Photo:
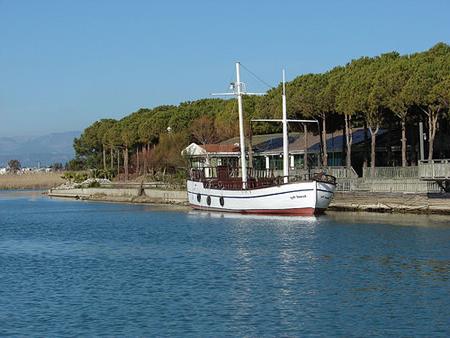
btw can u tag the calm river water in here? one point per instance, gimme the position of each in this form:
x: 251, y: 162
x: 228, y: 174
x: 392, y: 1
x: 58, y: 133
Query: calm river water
x: 73, y: 268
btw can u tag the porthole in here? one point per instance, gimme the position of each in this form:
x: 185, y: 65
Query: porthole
x: 199, y: 198
x: 208, y: 200
x: 221, y: 201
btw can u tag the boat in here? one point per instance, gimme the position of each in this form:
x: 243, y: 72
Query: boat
x: 241, y: 190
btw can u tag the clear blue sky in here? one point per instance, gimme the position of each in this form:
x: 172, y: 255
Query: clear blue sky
x: 65, y: 64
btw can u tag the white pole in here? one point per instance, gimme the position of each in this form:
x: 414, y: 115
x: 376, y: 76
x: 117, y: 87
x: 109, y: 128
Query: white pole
x: 285, y: 136
x: 241, y: 127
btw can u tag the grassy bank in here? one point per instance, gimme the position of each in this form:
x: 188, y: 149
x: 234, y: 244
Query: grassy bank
x: 30, y: 181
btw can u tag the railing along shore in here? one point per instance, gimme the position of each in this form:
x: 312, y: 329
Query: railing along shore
x: 434, y: 169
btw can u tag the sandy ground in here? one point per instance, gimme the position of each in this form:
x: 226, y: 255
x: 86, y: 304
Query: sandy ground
x: 30, y: 181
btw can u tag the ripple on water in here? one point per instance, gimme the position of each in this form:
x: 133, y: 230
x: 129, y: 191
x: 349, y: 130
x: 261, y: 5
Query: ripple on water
x: 74, y: 268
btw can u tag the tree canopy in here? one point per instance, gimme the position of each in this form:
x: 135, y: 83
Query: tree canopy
x: 364, y: 92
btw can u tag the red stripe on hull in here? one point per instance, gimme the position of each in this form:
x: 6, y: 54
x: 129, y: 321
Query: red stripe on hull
x: 293, y: 212
x: 287, y: 212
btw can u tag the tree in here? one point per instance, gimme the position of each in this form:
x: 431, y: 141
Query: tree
x: 104, y: 126
x: 128, y: 137
x: 225, y: 121
x: 147, y: 136
x: 112, y: 140
x: 88, y: 146
x: 14, y: 166
x: 74, y: 165
x: 203, y: 130
x: 353, y: 97
x: 427, y: 87
x: 330, y: 97
x: 308, y: 98
x: 57, y: 166
x: 390, y: 83
x: 365, y: 91
x: 167, y: 154
x: 375, y: 101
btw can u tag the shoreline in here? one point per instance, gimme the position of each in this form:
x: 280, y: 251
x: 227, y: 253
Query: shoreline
x: 123, y: 200
x: 30, y: 181
x: 388, y: 203
x: 399, y: 203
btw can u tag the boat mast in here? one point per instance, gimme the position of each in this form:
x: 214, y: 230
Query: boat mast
x: 238, y: 90
x: 285, y: 135
x: 285, y: 122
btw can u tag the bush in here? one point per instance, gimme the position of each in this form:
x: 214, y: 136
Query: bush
x: 101, y: 173
x: 94, y: 184
x: 76, y: 177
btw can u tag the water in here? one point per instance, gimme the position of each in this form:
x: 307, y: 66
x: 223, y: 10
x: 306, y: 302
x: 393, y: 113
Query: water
x: 72, y: 268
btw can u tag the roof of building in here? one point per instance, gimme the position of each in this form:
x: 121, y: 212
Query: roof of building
x: 221, y: 148
x: 273, y: 143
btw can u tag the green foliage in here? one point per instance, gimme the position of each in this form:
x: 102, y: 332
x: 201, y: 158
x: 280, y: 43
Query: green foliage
x: 75, y: 164
x: 101, y: 173
x: 94, y: 184
x: 57, y: 166
x: 368, y: 89
x: 167, y: 154
x: 76, y: 177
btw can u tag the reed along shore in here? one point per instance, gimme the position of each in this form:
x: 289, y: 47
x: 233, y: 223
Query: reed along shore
x: 35, y: 181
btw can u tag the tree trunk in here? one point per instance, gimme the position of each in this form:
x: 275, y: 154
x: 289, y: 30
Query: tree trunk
x: 348, y: 141
x: 373, y: 134
x: 118, y: 162
x: 305, y: 138
x: 366, y: 146
x: 104, y: 157
x: 137, y: 161
x: 404, y: 163
x: 388, y: 155
x: 125, y: 162
x: 112, y: 159
x: 144, y: 158
x: 324, y: 142
x: 432, y: 127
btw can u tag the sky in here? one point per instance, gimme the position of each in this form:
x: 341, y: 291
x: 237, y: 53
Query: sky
x: 65, y: 64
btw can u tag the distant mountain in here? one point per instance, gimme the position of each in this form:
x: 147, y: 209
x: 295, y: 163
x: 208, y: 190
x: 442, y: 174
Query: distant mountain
x: 43, y: 150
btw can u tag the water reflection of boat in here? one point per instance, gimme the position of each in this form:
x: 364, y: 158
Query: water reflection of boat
x: 221, y: 189
x: 256, y: 217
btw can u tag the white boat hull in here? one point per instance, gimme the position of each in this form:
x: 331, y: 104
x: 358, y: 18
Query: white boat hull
x: 300, y: 198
